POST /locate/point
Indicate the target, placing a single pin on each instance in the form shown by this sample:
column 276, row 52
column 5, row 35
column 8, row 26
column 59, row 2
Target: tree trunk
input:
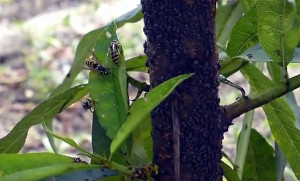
column 187, row 128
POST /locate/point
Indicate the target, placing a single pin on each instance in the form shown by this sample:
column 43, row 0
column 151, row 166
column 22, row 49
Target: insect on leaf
column 109, row 92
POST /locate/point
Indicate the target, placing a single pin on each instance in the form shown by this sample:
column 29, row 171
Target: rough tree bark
column 187, row 127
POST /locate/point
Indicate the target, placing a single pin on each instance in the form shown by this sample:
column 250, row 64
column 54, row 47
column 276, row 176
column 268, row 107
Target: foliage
column 121, row 133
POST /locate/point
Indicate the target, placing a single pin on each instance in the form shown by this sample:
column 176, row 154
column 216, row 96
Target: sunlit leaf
column 277, row 29
column 142, row 107
column 244, row 34
column 130, row 17
column 15, row 140
column 109, row 92
column 137, row 64
column 247, row 4
column 87, row 44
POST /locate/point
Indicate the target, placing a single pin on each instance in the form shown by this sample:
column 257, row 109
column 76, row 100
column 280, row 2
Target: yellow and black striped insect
column 144, row 172
column 77, row 159
column 87, row 104
column 95, row 66
column 114, row 50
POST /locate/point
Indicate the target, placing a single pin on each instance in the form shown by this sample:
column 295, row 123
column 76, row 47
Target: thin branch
column 241, row 106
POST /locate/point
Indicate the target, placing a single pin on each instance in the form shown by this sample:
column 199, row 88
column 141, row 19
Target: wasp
column 77, row 159
column 114, row 50
column 144, row 172
column 87, row 104
column 95, row 66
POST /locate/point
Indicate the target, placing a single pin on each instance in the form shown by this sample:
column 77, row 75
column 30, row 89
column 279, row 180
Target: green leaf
column 130, row 17
column 137, row 64
column 87, row 44
column 244, row 34
column 226, row 17
column 141, row 151
column 280, row 118
column 274, row 71
column 247, row 4
column 297, row 2
column 142, row 107
column 277, row 29
column 260, row 162
column 109, row 92
column 36, row 166
column 14, row 141
column 11, row 163
column 243, row 143
column 229, row 173
column 83, row 51
column 100, row 142
column 231, row 65
column 69, row 141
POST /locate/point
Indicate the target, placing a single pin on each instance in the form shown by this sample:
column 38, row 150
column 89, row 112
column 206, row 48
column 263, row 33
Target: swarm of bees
column 144, row 172
column 93, row 65
column 114, row 50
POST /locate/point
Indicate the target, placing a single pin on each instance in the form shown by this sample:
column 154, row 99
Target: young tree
column 187, row 121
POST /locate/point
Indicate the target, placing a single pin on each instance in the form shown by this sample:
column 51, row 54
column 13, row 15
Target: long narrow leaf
column 277, row 29
column 15, row 140
column 243, row 142
column 142, row 107
column 244, row 34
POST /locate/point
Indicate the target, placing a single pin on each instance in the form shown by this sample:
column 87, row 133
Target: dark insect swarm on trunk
column 187, row 128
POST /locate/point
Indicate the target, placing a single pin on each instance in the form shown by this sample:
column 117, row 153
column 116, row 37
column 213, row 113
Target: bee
column 77, row 159
column 114, row 50
column 144, row 172
column 95, row 66
column 87, row 104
